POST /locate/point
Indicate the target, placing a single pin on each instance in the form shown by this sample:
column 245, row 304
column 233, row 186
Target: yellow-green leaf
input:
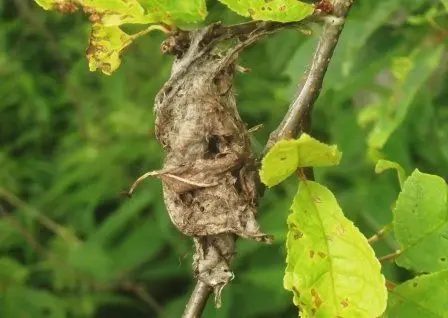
column 286, row 156
column 273, row 10
column 176, row 11
column 106, row 45
column 411, row 73
column 331, row 268
column 368, row 115
column 383, row 165
column 117, row 12
column 280, row 162
column 12, row 272
column 107, row 40
column 313, row 153
column 401, row 66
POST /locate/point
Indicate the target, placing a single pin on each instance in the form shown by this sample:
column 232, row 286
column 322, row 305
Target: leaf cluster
column 71, row 141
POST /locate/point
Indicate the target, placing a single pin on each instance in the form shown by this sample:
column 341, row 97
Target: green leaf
column 445, row 3
column 424, row 296
column 383, row 165
column 331, row 268
column 427, row 17
column 21, row 301
column 401, row 66
column 9, row 236
column 92, row 260
column 107, row 40
column 368, row 115
column 274, row 10
column 268, row 277
column 411, row 73
column 111, row 229
column 130, row 253
column 11, row 272
column 421, row 223
column 286, row 156
column 118, row 12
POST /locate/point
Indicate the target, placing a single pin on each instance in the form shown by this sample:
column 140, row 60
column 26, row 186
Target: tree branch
column 140, row 292
column 380, row 234
column 390, row 257
column 197, row 301
column 178, row 40
column 244, row 30
column 298, row 117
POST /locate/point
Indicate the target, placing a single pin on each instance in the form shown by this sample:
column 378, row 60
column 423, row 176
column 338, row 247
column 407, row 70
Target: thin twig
column 390, row 285
column 35, row 245
column 390, row 257
column 380, row 234
column 140, row 292
column 151, row 28
column 298, row 117
column 243, row 30
column 374, row 225
column 255, row 128
column 197, row 301
column 47, row 222
column 178, row 42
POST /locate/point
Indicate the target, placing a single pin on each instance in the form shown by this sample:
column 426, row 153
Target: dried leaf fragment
column 105, row 47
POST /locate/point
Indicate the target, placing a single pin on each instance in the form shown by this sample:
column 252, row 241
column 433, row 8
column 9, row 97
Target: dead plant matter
column 209, row 175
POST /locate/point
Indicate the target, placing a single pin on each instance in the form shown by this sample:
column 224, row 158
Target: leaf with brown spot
column 345, row 303
column 273, row 10
column 322, row 255
column 311, row 254
column 316, row 298
column 105, row 47
column 107, row 40
column 345, row 280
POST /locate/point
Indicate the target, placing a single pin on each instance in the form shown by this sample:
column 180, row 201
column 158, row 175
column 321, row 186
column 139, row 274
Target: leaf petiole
column 380, row 234
column 390, row 257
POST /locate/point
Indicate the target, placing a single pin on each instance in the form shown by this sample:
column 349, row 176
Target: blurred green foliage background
column 71, row 141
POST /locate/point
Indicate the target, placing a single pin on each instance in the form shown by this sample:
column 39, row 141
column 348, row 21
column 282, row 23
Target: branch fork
column 190, row 47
